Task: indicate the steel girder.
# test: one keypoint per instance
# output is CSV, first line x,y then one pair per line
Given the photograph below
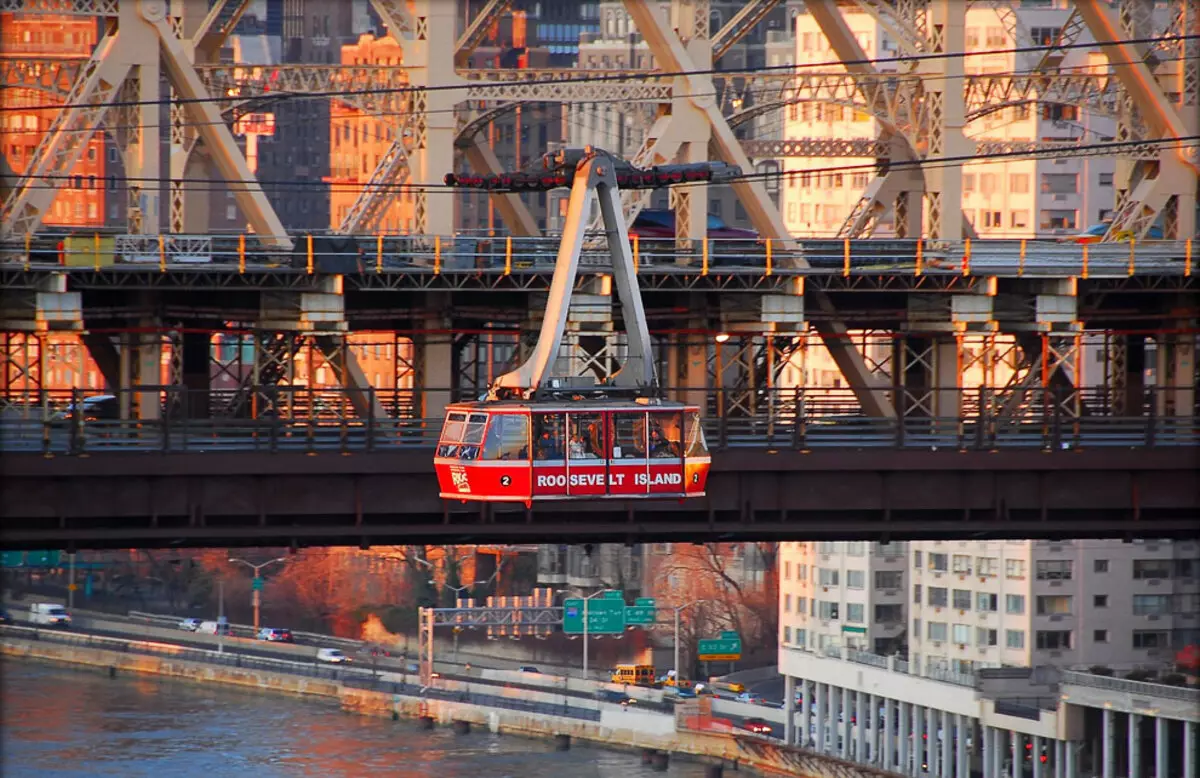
x,y
61,7
742,22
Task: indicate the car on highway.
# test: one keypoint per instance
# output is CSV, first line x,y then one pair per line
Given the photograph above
x,y
5,617
190,625
752,698
615,697
1096,233
275,635
528,669
332,656
758,726
99,407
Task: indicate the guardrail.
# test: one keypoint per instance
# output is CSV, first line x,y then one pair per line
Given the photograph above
x,y
356,435
1139,688
247,630
347,676
505,255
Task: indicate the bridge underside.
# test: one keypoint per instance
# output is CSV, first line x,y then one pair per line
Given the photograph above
x,y
246,499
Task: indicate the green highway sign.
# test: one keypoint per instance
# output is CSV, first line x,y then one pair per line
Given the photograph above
x,y
606,616
642,613
30,559
727,648
12,558
257,584
611,594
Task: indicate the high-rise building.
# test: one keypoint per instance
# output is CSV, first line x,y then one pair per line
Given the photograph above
x,y
1011,198
1066,603
85,198
851,593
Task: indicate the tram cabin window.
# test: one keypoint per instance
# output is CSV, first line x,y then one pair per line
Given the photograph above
x,y
507,437
694,435
462,435
629,436
548,436
665,435
587,436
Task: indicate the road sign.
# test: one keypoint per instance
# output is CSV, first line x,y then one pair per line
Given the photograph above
x,y
641,613
257,584
611,594
606,616
30,559
12,558
727,648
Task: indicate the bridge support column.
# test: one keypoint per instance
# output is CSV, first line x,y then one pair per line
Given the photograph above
x,y
1177,372
434,375
148,371
789,695
1125,374
197,373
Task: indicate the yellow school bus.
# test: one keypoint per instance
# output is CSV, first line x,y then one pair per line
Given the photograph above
x,y
638,675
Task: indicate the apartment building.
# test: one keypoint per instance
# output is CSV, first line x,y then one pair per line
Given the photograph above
x,y
843,593
1066,603
1018,198
87,198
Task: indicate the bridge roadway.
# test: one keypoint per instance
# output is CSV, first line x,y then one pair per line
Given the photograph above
x,y
144,485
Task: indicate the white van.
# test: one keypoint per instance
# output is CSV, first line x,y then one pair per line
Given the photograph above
x,y
49,613
214,628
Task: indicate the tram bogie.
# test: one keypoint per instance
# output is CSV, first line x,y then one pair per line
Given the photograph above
x,y
526,452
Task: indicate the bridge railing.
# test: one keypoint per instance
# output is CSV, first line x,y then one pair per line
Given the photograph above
x,y
503,255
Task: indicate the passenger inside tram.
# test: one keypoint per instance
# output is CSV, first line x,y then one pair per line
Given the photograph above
x,y
664,439
548,445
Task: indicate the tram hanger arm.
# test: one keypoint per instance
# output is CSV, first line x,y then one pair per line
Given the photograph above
x,y
594,175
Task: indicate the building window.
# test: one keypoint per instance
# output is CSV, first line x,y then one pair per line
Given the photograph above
x,y
1059,220
827,611
787,603
827,576
787,634
1053,640
1106,179
1151,604
855,579
1053,605
1100,566
962,634
1018,183
888,579
1099,636
1100,601
1053,570
985,637
1147,638
962,599
827,547
1019,219
961,564
917,560
916,594
938,563
937,631
988,183
1014,638
1151,569
938,596
1014,568
987,565
889,614
855,548
1014,604
968,182
854,612
1060,183
992,219
986,602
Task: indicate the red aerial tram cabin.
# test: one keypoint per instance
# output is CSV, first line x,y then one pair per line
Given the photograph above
x,y
541,437
518,451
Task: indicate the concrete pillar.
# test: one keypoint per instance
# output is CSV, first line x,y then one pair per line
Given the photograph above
x,y
1135,746
846,727
435,368
149,373
821,714
806,704
1037,757
1161,747
905,739
789,695
1189,749
946,768
1069,766
887,739
918,739
961,732
1058,759
873,719
862,720
1106,744
1017,754
997,753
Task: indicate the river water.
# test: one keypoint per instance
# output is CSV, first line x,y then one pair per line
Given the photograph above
x,y
59,721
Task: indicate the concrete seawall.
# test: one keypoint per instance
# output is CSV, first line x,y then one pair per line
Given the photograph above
x,y
623,728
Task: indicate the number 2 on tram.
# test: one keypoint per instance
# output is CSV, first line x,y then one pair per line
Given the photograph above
x,y
518,452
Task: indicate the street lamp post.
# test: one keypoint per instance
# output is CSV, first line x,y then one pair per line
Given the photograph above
x,y
678,609
257,594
